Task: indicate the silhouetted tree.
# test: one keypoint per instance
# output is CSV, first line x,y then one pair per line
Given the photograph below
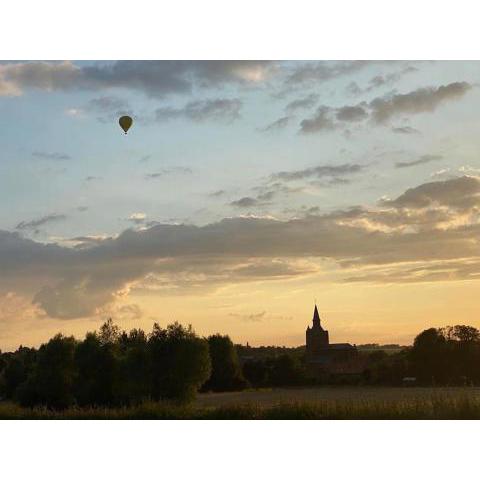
x,y
286,370
226,372
256,372
180,362
430,355
135,369
96,363
51,381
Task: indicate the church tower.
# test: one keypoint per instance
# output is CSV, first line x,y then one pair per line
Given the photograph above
x,y
317,337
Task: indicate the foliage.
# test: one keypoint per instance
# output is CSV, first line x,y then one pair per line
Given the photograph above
x,y
226,371
180,362
110,368
51,380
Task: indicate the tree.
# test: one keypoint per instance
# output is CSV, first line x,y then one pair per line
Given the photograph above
x,y
109,332
286,370
96,363
51,381
255,371
134,366
179,360
226,372
430,356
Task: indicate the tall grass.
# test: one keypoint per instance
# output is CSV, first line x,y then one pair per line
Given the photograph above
x,y
461,407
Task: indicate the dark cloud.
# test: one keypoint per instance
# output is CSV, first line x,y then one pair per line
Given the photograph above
x,y
418,101
351,113
154,78
302,103
419,161
461,193
245,202
320,171
51,155
40,222
277,124
382,109
225,109
321,121
405,130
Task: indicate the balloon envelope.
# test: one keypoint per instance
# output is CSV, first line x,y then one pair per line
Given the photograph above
x,y
125,122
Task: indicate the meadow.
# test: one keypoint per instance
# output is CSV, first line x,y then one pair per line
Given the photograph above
x,y
324,403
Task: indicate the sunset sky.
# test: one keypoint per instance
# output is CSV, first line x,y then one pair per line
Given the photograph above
x,y
243,192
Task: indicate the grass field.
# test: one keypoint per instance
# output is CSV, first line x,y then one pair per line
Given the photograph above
x,y
313,403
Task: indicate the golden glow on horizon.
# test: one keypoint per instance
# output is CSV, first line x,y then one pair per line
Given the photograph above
x,y
277,312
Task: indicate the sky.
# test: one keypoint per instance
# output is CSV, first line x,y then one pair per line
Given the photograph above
x,y
243,192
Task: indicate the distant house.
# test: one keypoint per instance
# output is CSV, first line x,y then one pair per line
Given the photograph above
x,y
325,357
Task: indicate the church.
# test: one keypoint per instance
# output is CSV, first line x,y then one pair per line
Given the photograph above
x,y
325,357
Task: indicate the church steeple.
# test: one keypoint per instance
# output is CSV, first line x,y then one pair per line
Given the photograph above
x,y
316,317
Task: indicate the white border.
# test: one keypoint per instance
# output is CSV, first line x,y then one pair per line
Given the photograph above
x,y
238,450
251,29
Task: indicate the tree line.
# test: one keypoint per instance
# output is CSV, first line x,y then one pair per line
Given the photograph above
x,y
113,367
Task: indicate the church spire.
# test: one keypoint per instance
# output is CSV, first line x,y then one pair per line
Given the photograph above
x,y
316,317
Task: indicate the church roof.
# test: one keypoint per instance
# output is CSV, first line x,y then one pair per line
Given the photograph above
x,y
316,316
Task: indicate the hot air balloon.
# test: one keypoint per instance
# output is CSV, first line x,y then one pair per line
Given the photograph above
x,y
125,122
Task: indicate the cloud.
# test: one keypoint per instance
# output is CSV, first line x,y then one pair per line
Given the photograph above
x,y
379,81
419,161
40,222
108,103
51,155
351,114
431,223
302,103
460,193
217,193
153,78
381,109
277,124
406,130
317,72
320,171
47,76
202,110
108,108
245,202
138,218
168,171
321,121
418,101
249,317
